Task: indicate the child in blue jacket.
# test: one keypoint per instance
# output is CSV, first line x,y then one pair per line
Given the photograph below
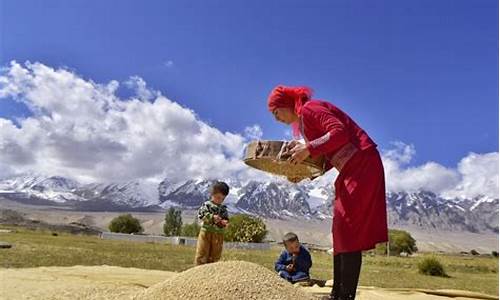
x,y
295,261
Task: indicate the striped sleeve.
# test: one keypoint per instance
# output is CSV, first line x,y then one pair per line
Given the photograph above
x,y
204,214
335,134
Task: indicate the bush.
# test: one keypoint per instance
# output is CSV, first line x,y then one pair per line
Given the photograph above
x,y
494,254
399,241
474,252
173,222
431,266
125,224
245,228
191,230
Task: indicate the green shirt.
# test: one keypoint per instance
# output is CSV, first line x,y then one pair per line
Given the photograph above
x,y
206,214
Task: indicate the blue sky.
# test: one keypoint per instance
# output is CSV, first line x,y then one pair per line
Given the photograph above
x,y
421,72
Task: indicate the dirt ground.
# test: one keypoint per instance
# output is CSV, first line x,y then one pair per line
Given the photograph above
x,y
108,282
77,282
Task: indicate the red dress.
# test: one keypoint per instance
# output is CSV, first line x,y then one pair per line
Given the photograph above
x,y
360,216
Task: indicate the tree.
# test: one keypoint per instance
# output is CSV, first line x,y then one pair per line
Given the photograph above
x,y
125,224
173,222
399,241
191,230
245,228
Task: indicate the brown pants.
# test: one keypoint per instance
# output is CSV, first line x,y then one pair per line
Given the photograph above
x,y
208,247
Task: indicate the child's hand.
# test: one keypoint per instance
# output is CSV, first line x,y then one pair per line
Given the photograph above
x,y
217,219
289,268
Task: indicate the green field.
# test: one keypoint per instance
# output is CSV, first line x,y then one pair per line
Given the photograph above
x,y
41,248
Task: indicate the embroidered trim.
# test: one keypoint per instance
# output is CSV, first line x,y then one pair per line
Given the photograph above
x,y
320,141
343,155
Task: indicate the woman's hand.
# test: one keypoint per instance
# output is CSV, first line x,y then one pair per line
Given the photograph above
x,y
299,153
291,144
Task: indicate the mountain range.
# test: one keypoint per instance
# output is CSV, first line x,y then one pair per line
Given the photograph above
x,y
274,200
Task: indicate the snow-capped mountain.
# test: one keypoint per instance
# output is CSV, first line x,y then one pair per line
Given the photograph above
x,y
427,210
38,182
191,193
132,194
57,190
267,199
52,188
273,199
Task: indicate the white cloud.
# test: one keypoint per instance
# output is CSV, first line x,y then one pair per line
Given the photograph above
x,y
168,63
139,85
253,132
81,129
475,175
401,152
479,176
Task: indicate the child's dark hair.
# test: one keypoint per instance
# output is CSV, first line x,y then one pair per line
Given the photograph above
x,y
290,237
220,187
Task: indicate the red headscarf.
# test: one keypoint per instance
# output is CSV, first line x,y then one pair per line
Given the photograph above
x,y
289,97
292,97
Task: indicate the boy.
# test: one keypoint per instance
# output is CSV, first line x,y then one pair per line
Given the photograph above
x,y
294,262
213,214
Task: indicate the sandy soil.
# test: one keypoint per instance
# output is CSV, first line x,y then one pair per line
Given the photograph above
x,y
106,282
78,282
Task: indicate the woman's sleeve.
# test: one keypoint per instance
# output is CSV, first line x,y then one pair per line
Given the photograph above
x,y
335,134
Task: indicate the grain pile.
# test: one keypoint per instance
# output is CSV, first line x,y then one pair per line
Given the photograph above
x,y
224,280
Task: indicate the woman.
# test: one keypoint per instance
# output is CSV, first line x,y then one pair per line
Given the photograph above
x,y
360,217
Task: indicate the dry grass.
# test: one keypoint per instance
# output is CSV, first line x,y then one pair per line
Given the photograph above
x,y
39,248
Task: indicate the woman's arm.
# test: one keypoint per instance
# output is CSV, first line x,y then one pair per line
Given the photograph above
x,y
335,134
